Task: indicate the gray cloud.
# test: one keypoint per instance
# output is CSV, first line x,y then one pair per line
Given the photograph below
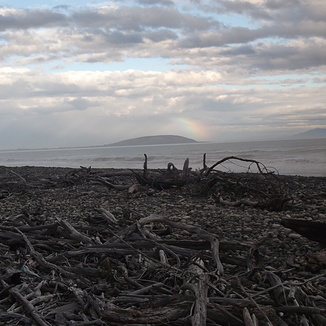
x,y
139,18
26,19
301,115
104,34
156,2
228,78
268,10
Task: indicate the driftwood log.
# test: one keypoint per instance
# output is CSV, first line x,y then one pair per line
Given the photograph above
x,y
313,230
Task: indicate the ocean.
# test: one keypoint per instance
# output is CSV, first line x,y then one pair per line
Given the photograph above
x,y
290,157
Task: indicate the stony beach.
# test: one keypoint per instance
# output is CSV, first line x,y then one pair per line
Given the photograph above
x,y
32,197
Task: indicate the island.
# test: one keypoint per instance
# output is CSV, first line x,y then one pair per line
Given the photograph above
x,y
155,140
311,134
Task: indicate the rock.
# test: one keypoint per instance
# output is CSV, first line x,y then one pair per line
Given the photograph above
x,y
294,236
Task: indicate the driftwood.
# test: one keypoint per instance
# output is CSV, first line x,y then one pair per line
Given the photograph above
x,y
313,230
117,270
263,189
172,177
141,278
194,277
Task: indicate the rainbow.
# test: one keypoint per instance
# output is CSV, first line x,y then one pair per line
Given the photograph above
x,y
193,128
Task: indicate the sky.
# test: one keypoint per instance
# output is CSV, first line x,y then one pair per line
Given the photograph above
x,y
82,73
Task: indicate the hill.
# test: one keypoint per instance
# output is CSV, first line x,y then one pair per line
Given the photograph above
x,y
155,140
311,134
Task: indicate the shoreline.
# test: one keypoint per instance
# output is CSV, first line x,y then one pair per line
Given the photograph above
x,y
139,168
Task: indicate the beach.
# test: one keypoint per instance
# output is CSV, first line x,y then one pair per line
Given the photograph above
x,y
47,212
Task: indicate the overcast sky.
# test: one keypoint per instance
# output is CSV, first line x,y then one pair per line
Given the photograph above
x,y
96,72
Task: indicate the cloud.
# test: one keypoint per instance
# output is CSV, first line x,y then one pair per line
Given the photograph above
x,y
156,2
124,104
114,33
140,18
269,11
232,66
27,19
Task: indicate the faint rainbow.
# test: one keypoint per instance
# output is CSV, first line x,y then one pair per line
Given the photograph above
x,y
192,128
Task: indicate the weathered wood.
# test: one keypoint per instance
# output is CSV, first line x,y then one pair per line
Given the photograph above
x,y
108,216
73,233
200,290
29,307
157,315
171,177
248,319
204,234
312,230
42,261
108,184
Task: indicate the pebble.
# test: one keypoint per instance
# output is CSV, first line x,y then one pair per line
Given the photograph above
x,y
276,241
294,236
184,233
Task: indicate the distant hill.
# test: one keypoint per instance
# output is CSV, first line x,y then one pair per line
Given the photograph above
x,y
311,134
155,140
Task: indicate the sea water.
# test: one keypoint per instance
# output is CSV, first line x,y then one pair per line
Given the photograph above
x,y
291,157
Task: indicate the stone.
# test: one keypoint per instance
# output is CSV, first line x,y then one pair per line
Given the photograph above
x,y
294,236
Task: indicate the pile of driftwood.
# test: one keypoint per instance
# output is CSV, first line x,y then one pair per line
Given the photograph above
x,y
263,189
122,273
150,271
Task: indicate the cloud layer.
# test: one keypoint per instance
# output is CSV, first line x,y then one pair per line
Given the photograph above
x,y
235,70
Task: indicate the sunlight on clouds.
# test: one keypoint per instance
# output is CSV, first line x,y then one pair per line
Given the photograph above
x,y
255,2
4,11
10,71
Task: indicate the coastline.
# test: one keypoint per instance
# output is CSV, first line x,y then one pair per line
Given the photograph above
x,y
296,157
31,197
